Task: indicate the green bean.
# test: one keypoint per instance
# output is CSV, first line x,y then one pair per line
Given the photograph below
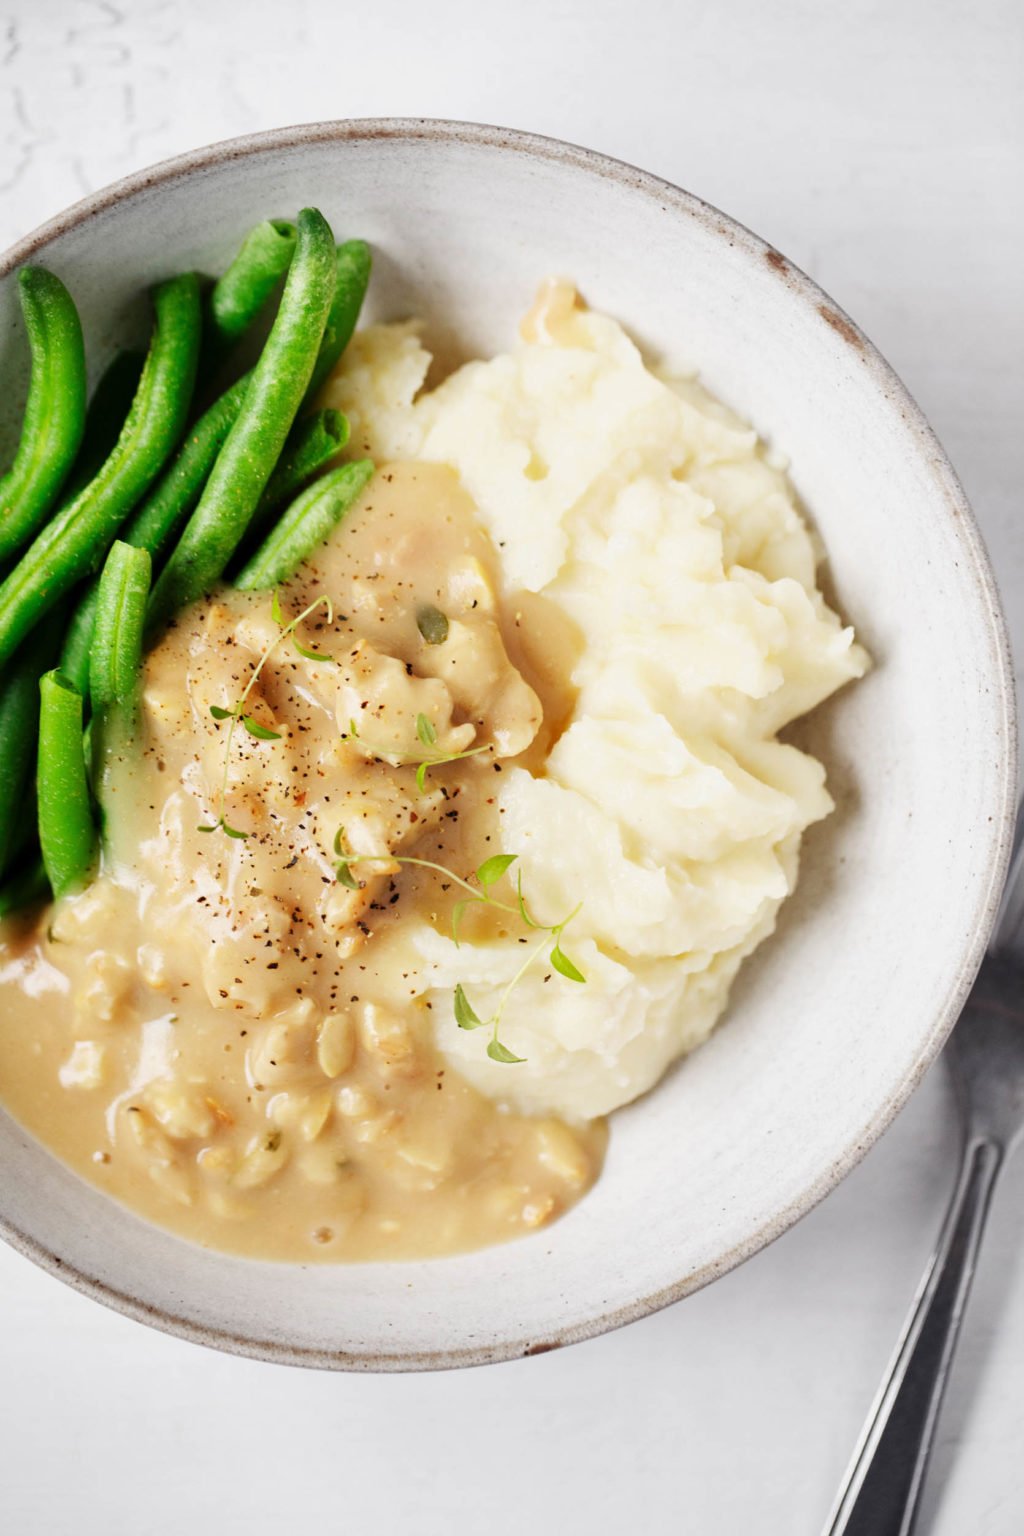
x,y
26,888
72,545
54,418
120,614
254,444
66,829
307,522
19,727
108,410
176,492
25,838
156,521
352,277
238,297
19,723
115,674
311,443
74,656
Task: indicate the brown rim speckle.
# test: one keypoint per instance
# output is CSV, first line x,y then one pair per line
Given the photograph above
x,y
843,326
949,496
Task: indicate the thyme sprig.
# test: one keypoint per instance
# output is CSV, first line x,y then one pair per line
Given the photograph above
x,y
238,715
487,875
427,734
289,629
441,759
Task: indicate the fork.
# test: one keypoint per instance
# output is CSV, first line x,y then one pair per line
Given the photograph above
x,y
881,1492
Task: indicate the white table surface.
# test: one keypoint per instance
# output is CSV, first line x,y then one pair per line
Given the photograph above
x,y
878,143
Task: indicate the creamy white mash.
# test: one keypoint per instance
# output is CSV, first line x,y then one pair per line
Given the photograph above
x,y
661,526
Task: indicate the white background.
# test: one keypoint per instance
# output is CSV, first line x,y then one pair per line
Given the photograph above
x,y
878,143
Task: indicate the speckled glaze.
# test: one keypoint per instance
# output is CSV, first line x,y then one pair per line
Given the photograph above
x,y
836,1019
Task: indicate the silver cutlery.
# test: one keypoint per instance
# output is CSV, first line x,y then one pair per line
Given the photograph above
x,y
881,1493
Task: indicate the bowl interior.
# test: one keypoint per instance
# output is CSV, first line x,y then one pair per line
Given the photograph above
x,y
835,1019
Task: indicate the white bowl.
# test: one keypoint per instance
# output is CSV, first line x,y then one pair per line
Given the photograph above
x,y
837,1018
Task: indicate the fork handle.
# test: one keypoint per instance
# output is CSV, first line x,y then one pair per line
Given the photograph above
x,y
882,1488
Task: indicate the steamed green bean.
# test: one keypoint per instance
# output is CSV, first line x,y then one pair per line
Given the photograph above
x,y
308,521
312,442
115,669
153,524
67,833
107,413
54,417
19,728
117,637
253,446
352,276
72,545
74,656
238,297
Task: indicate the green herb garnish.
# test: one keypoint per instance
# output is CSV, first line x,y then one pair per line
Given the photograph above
x,y
427,733
261,732
238,714
441,760
487,875
432,624
313,655
278,618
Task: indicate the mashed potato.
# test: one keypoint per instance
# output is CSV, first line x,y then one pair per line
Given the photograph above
x,y
659,525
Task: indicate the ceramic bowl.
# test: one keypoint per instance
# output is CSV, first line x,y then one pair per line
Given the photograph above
x,y
836,1019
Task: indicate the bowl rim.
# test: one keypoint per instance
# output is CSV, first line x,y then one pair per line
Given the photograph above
x,y
956,507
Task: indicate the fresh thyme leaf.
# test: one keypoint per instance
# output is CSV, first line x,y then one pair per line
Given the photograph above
x,y
432,624
372,753
465,1018
498,1052
527,919
214,828
275,609
487,874
492,869
221,714
259,731
439,762
561,962
313,655
457,912
425,731
233,831
346,877
396,858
